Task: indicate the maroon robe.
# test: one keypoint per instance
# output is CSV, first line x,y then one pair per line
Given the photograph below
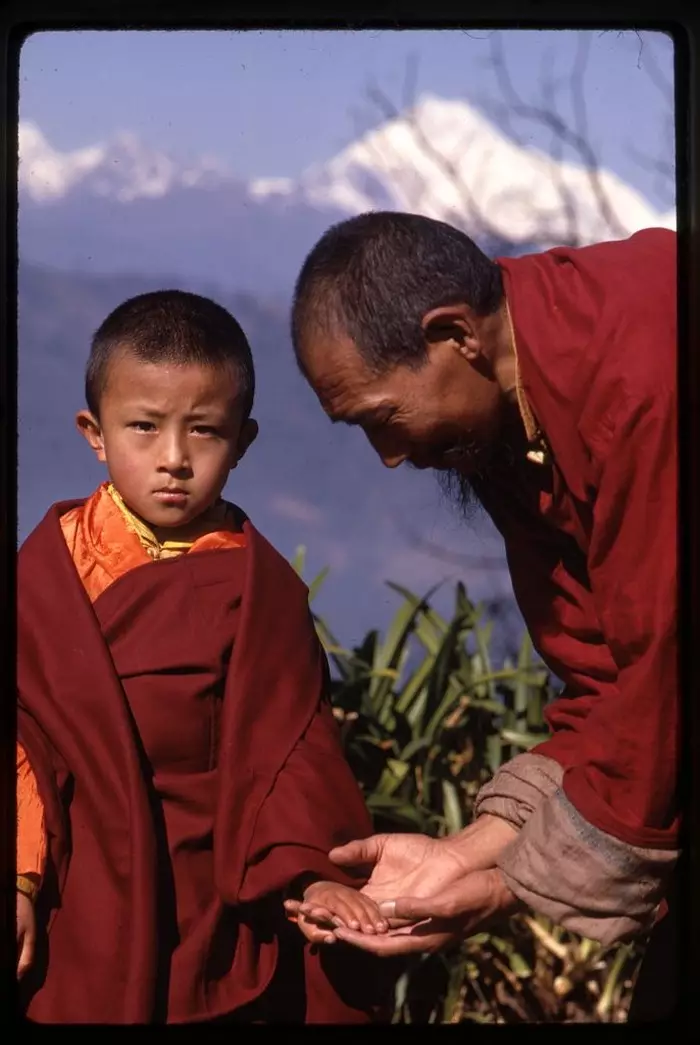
x,y
591,539
190,769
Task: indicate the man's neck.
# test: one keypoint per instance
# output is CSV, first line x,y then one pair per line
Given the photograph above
x,y
504,361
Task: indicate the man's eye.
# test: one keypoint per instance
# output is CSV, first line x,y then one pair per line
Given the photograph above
x,y
204,430
142,426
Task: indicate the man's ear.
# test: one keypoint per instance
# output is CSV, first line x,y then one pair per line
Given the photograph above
x,y
246,437
452,326
89,427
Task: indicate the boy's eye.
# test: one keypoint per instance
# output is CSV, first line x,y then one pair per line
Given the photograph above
x,y
142,426
204,430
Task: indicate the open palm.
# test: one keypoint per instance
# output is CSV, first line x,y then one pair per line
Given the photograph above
x,y
430,890
404,864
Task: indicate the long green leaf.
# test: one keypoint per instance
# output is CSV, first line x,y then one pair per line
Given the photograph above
x,y
317,582
338,655
482,636
392,650
443,690
394,807
524,740
430,626
393,776
452,693
452,808
414,747
414,685
298,560
494,753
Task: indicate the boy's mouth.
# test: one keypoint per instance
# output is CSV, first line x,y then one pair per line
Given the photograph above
x,y
171,495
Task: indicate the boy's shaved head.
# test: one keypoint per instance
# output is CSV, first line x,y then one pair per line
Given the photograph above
x,y
176,327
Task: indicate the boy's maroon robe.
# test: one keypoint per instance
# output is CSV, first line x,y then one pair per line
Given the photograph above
x,y
211,658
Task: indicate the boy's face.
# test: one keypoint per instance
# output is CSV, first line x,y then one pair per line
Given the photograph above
x,y
169,436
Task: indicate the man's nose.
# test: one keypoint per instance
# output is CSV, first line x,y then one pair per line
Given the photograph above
x,y
389,450
392,460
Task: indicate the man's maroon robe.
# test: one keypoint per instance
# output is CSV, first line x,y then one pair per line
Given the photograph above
x,y
190,769
591,538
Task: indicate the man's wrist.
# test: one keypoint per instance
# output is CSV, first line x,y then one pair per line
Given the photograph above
x,y
480,844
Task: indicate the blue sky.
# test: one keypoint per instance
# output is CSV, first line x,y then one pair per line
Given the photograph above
x,y
270,103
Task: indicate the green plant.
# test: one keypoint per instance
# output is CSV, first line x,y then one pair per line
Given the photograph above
x,y
426,719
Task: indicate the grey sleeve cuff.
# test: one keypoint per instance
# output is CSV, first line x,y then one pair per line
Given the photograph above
x,y
583,879
519,788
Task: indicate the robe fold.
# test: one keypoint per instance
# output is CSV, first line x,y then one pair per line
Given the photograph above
x,y
590,530
592,540
190,769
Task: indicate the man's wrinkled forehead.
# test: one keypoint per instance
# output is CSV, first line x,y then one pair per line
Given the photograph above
x,y
347,390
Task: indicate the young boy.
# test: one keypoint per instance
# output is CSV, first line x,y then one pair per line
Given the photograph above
x,y
179,769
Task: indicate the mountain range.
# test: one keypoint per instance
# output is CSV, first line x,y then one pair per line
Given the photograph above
x,y
115,205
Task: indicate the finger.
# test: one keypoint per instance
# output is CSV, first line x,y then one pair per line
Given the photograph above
x,y
313,909
310,907
474,894
385,945
344,910
387,909
26,956
319,913
384,909
292,906
314,934
412,909
366,912
361,851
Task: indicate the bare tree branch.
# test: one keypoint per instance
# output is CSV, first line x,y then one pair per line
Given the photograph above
x,y
547,115
410,82
451,558
664,86
438,158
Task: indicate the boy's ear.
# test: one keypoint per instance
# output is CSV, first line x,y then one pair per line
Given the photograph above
x,y
89,427
247,436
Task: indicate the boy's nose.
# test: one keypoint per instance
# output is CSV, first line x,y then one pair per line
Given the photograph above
x,y
174,456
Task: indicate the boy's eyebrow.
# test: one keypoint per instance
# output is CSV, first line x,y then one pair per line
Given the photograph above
x,y
206,413
147,411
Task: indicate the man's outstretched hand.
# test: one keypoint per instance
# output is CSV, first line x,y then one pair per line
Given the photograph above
x,y
432,891
429,924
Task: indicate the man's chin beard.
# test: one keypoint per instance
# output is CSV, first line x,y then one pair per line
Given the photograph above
x,y
458,491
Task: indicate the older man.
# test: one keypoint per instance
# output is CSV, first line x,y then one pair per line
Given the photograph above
x,y
544,389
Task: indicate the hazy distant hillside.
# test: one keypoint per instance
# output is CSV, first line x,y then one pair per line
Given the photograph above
x,y
305,481
100,207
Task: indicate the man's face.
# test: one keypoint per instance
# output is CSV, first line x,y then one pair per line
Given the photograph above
x,y
169,436
445,415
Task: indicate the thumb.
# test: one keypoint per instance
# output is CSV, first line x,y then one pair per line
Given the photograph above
x,y
409,909
471,894
362,851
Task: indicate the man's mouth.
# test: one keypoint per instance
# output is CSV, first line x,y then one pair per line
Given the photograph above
x,y
446,459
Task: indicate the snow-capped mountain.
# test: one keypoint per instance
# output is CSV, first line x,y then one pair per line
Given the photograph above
x,y
120,204
444,159
124,169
